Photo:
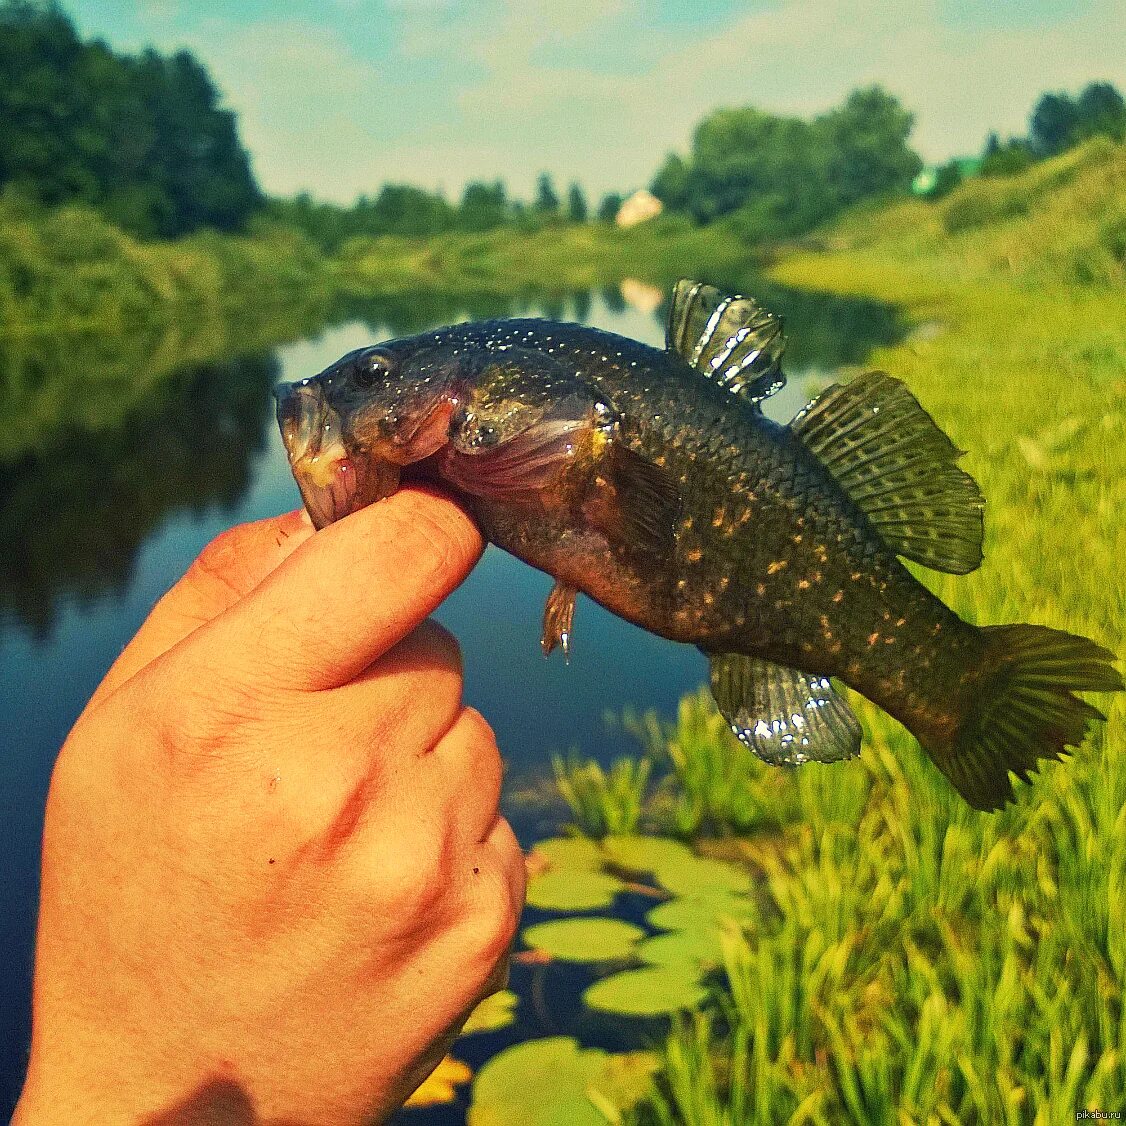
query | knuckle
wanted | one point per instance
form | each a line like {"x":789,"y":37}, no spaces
{"x":493,"y":920}
{"x":412,"y":883}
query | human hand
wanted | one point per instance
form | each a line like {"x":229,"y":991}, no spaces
{"x":275,"y":879}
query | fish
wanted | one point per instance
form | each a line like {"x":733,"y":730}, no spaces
{"x":651,"y":481}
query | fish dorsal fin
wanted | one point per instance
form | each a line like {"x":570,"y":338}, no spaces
{"x":891,"y":458}
{"x":733,"y":341}
{"x":785,"y":716}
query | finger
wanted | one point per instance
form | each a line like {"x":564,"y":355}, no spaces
{"x":466,"y":767}
{"x":348,"y":594}
{"x":227,"y":569}
{"x":401,"y":705}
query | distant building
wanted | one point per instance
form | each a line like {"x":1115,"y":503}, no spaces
{"x":924,"y":183}
{"x":640,"y":206}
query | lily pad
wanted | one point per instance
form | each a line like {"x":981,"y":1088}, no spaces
{"x":554,"y":1082}
{"x":570,"y":890}
{"x":695,"y":912}
{"x":689,"y":949}
{"x":584,"y":940}
{"x":571,"y":852}
{"x":653,"y":991}
{"x":698,"y":876}
{"x":645,"y":854}
{"x":439,"y":1087}
{"x":496,"y":1011}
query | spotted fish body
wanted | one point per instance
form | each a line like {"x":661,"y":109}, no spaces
{"x":650,"y":480}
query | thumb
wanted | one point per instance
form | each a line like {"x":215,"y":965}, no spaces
{"x":349,"y":593}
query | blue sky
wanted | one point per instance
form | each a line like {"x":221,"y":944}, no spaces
{"x":340,"y":96}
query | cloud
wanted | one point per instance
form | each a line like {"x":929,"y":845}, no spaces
{"x":340,"y":98}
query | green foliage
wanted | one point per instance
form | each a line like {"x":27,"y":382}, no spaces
{"x":1060,"y":122}
{"x":584,"y":940}
{"x":484,"y":207}
{"x":1006,"y":159}
{"x":577,"y":210}
{"x":603,"y":801}
{"x":562,"y":890}
{"x":702,"y":898}
{"x":782,"y":176}
{"x":609,"y":207}
{"x":142,"y":138}
{"x":68,"y":269}
{"x":547,"y":199}
{"x":495,"y":1012}
{"x":947,"y":178}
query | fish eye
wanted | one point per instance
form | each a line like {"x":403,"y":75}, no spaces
{"x":372,"y":368}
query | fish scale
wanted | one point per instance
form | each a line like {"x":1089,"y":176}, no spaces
{"x":651,"y":481}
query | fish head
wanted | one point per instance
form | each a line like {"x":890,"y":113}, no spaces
{"x":351,"y":430}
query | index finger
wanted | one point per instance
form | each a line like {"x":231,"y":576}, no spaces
{"x":226,"y":570}
{"x":349,"y":593}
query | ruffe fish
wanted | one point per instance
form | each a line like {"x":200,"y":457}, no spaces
{"x":651,"y":481}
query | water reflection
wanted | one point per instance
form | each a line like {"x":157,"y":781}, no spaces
{"x":75,"y":509}
{"x":99,"y":442}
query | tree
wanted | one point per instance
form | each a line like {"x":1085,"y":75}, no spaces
{"x":577,"y":210}
{"x":1005,"y":158}
{"x":1060,"y":122}
{"x":547,"y":201}
{"x":782,"y":176}
{"x":609,"y":207}
{"x":1055,"y":124}
{"x":671,"y":184}
{"x":1102,"y":112}
{"x":866,"y":143}
{"x":143,"y":138}
{"x":483,"y":206}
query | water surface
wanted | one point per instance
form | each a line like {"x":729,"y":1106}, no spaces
{"x":117,"y":465}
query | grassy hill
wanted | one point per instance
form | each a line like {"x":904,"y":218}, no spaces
{"x":915,"y":961}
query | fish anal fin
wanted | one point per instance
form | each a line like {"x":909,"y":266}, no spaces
{"x":895,"y":463}
{"x":558,"y":619}
{"x":731,"y":340}
{"x":787,"y":717}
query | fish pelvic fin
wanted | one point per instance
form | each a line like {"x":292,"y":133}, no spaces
{"x":785,"y":716}
{"x":1024,"y":709}
{"x":731,"y":340}
{"x":895,"y":463}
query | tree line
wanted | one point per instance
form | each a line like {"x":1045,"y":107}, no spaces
{"x":409,"y":211}
{"x":778,"y":176}
{"x":1059,"y":121}
{"x":146,"y":141}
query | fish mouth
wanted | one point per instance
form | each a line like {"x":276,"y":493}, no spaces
{"x":333,"y":483}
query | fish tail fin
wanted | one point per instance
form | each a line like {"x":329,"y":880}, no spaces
{"x":1023,"y":709}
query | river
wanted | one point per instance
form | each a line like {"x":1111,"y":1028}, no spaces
{"x":117,"y":467}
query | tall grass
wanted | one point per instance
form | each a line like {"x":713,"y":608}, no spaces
{"x":915,"y":961}
{"x":68,"y":270}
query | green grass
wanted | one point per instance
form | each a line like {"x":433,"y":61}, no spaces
{"x":912,"y":960}
{"x":68,"y":270}
{"x":562,"y":259}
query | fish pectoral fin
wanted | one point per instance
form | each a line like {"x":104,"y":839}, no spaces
{"x":635,"y":501}
{"x":558,"y":618}
{"x":895,"y":463}
{"x":785,"y":716}
{"x":732,"y":341}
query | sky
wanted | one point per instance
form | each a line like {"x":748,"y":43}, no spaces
{"x":340,"y":96}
